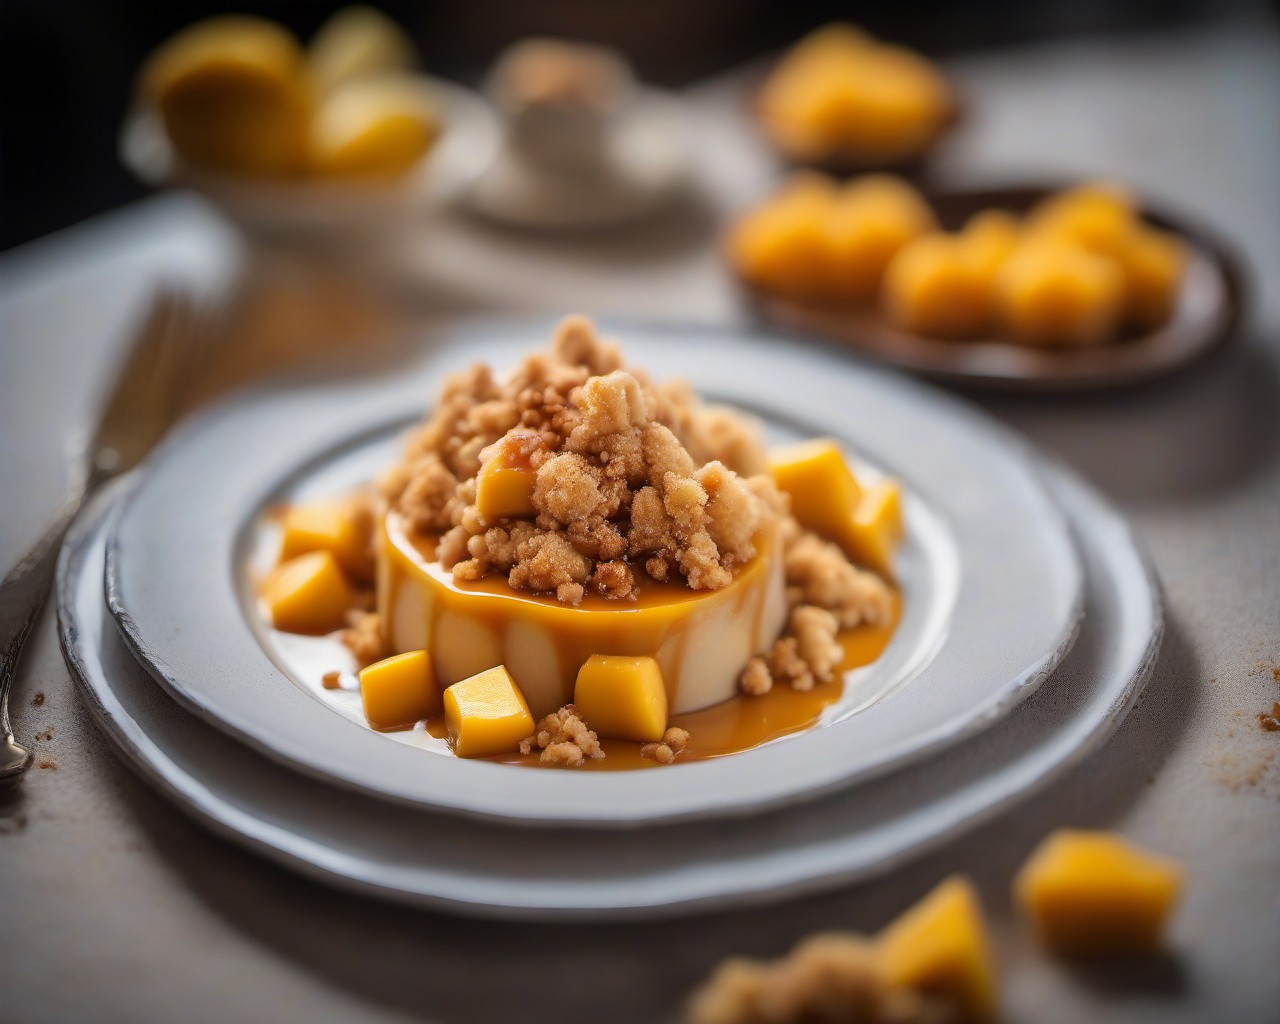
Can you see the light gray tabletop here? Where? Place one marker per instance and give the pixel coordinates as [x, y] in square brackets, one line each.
[116, 907]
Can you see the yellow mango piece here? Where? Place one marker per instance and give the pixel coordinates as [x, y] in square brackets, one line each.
[1153, 263]
[486, 714]
[940, 946]
[333, 526]
[399, 690]
[824, 492]
[990, 237]
[933, 287]
[504, 485]
[373, 127]
[622, 698]
[781, 246]
[307, 594]
[233, 94]
[1097, 216]
[357, 42]
[1057, 294]
[873, 218]
[876, 530]
[1093, 894]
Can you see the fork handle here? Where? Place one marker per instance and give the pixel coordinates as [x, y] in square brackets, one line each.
[22, 596]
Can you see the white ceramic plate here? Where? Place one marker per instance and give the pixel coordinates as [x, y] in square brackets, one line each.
[466, 147]
[468, 867]
[991, 581]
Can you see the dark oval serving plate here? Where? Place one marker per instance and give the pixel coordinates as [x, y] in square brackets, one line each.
[1207, 313]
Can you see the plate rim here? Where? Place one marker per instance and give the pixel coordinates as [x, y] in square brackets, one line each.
[514, 333]
[1104, 723]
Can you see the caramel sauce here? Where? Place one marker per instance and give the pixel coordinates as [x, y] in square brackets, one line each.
[739, 723]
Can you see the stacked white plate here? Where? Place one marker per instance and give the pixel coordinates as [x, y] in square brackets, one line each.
[1031, 621]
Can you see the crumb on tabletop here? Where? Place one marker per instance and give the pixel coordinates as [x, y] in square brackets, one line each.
[564, 739]
[828, 977]
[671, 746]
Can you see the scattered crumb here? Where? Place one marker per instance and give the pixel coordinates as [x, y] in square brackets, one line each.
[1270, 720]
[672, 745]
[47, 735]
[38, 700]
[831, 977]
[47, 763]
[331, 680]
[363, 637]
[564, 739]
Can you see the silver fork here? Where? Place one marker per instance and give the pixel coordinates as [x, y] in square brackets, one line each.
[168, 355]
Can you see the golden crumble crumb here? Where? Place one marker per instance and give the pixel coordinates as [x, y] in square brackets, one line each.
[564, 739]
[829, 977]
[363, 637]
[671, 746]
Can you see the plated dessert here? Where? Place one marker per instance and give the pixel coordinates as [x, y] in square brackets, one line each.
[576, 565]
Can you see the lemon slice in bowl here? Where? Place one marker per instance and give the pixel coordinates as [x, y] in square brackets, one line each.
[376, 127]
[355, 43]
[233, 95]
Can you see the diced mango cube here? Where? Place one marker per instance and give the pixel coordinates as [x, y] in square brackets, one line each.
[399, 690]
[622, 698]
[486, 714]
[824, 492]
[333, 526]
[940, 946]
[933, 287]
[1153, 263]
[307, 594]
[504, 491]
[1091, 893]
[877, 526]
[1058, 294]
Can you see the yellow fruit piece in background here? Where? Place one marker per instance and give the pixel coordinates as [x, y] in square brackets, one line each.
[332, 526]
[781, 246]
[233, 95]
[622, 698]
[1057, 294]
[1154, 264]
[357, 42]
[1097, 216]
[876, 529]
[373, 127]
[486, 714]
[941, 947]
[990, 237]
[307, 594]
[399, 690]
[897, 102]
[933, 286]
[823, 490]
[1092, 894]
[872, 219]
[504, 491]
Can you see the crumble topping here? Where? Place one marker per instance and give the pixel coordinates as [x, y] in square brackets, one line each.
[630, 478]
[627, 473]
[673, 742]
[363, 637]
[831, 977]
[564, 739]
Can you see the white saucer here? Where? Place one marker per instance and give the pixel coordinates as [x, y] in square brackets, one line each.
[467, 867]
[991, 582]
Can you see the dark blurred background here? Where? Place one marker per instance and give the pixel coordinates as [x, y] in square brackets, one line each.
[67, 66]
